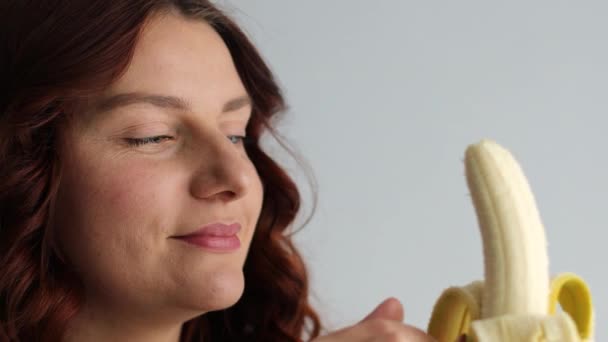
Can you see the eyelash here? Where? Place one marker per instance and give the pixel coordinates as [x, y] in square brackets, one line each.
[160, 138]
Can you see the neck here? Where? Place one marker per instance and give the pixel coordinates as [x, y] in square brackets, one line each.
[93, 326]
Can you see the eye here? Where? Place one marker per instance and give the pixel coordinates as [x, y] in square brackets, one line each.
[240, 138]
[148, 140]
[156, 140]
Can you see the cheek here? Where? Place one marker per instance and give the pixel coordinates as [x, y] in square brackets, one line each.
[112, 216]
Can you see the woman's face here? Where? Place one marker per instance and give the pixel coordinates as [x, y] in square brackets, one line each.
[122, 202]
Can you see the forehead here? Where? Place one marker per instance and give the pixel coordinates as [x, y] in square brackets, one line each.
[181, 57]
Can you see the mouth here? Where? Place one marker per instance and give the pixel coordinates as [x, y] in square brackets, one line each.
[213, 243]
[215, 229]
[215, 237]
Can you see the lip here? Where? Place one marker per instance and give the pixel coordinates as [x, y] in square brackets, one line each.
[216, 229]
[214, 243]
[217, 237]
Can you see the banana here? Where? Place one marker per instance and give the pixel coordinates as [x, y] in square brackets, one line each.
[518, 300]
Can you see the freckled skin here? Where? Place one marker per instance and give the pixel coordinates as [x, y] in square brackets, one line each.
[118, 205]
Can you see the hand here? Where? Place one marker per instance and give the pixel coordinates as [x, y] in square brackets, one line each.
[384, 324]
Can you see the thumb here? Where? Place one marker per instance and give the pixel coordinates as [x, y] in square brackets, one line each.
[390, 309]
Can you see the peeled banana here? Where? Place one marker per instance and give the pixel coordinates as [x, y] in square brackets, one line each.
[518, 300]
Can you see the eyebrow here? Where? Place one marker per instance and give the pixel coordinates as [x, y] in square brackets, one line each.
[162, 101]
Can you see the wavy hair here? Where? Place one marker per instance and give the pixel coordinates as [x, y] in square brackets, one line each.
[54, 53]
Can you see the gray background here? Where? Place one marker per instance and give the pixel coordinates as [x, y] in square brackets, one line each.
[385, 96]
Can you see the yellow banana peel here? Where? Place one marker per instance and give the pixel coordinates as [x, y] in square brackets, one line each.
[518, 300]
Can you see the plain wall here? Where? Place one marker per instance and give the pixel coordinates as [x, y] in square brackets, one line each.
[385, 96]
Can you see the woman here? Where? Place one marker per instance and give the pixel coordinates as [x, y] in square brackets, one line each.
[136, 203]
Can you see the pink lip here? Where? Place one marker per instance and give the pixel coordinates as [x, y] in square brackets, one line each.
[216, 243]
[216, 236]
[217, 229]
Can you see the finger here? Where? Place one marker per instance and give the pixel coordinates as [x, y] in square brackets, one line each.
[418, 335]
[378, 330]
[369, 329]
[405, 337]
[390, 308]
[401, 332]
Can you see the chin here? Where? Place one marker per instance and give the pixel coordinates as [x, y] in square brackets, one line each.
[219, 292]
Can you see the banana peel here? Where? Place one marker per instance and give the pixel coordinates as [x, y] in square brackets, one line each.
[518, 300]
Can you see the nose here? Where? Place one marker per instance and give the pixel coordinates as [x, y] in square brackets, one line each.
[223, 170]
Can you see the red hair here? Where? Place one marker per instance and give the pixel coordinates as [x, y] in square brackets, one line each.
[50, 57]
